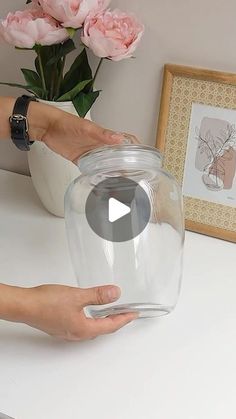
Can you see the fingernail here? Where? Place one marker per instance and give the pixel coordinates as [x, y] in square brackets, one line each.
[126, 141]
[113, 293]
[117, 136]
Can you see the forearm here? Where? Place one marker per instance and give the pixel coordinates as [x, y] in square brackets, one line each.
[38, 118]
[14, 303]
[6, 106]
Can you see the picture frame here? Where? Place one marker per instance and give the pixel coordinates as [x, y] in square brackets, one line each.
[197, 136]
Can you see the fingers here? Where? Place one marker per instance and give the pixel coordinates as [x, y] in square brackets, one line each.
[110, 137]
[99, 295]
[96, 327]
[131, 139]
[107, 136]
[119, 137]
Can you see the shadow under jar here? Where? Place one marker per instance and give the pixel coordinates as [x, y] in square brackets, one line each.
[147, 263]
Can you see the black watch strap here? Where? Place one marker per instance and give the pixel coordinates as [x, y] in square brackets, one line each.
[19, 124]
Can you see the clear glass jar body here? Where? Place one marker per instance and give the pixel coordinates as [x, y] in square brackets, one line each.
[147, 268]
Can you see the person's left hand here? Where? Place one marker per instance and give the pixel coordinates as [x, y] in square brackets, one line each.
[59, 311]
[69, 135]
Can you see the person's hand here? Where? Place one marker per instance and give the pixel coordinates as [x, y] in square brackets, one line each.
[66, 134]
[58, 311]
[69, 135]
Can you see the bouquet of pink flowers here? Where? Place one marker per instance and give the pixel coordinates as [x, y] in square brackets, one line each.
[49, 26]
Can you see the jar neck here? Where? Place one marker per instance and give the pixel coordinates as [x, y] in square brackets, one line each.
[118, 157]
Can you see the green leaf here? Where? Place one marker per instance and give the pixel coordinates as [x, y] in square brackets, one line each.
[32, 89]
[31, 77]
[84, 101]
[38, 91]
[65, 48]
[49, 72]
[74, 92]
[14, 85]
[36, 63]
[46, 53]
[79, 71]
[24, 49]
[71, 32]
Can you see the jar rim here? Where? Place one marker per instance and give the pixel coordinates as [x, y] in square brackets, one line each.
[121, 147]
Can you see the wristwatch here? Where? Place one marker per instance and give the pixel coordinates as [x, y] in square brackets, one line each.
[19, 123]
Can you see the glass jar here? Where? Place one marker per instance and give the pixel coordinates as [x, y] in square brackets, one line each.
[141, 252]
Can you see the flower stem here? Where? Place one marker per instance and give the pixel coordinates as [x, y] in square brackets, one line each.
[41, 70]
[96, 73]
[60, 77]
[54, 69]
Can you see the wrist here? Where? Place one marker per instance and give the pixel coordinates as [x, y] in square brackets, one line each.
[38, 117]
[16, 303]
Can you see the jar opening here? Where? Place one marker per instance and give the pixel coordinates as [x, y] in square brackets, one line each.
[122, 156]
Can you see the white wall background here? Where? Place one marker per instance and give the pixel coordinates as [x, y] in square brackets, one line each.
[200, 33]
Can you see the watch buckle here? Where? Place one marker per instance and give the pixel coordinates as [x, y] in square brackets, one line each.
[18, 118]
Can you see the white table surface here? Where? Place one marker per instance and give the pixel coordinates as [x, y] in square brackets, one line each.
[182, 366]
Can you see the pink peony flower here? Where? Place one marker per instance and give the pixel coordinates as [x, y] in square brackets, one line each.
[72, 13]
[26, 28]
[112, 34]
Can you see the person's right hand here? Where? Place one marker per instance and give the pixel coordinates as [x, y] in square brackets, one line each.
[58, 311]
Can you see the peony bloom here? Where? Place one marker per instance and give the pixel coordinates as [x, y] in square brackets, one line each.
[26, 28]
[72, 13]
[112, 34]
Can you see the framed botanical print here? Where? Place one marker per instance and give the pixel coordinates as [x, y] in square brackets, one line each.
[197, 136]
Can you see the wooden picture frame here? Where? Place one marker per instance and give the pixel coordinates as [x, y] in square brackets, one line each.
[197, 137]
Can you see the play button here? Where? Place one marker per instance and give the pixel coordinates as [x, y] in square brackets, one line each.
[118, 209]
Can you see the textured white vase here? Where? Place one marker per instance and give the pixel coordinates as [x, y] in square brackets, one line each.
[52, 174]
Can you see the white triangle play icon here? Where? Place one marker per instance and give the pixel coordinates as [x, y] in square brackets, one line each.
[117, 210]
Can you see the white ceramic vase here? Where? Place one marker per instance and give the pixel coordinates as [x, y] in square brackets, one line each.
[52, 174]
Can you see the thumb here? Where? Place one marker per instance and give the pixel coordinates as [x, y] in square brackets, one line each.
[100, 295]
